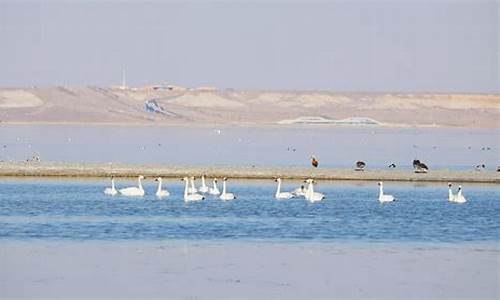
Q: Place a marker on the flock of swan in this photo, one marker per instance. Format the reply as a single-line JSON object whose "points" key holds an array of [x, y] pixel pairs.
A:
{"points": [[191, 193], [458, 197]]}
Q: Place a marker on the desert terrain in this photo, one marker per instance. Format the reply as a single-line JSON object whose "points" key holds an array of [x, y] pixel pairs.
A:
{"points": [[172, 105]]}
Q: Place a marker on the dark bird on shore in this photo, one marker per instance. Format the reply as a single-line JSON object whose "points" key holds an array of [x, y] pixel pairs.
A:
{"points": [[416, 162], [360, 166], [392, 166], [480, 167], [314, 161], [423, 166], [419, 166]]}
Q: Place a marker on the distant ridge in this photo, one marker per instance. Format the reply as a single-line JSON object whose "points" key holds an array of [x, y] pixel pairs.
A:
{"points": [[323, 120], [167, 104]]}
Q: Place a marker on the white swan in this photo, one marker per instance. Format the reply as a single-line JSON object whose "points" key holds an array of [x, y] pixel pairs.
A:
{"points": [[159, 192], [204, 187], [134, 191], [384, 198], [310, 195], [190, 197], [225, 195], [192, 189], [214, 190], [301, 191], [458, 198], [279, 194], [112, 190], [451, 197]]}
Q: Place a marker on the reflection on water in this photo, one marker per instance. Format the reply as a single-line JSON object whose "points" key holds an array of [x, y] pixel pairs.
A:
{"points": [[78, 210], [273, 145]]}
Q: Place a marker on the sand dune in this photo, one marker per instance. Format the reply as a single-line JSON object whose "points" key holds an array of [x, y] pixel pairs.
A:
{"points": [[205, 99], [18, 99], [112, 105], [461, 102]]}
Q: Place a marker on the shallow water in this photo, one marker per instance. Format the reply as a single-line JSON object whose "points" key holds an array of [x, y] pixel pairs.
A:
{"points": [[34, 209], [237, 145]]}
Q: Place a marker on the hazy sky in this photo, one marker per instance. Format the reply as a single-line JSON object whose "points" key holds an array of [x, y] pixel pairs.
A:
{"points": [[338, 45]]}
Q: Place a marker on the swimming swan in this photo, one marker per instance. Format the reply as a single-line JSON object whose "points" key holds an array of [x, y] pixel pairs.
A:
{"points": [[190, 197], [204, 187], [225, 195], [384, 198], [214, 190], [134, 191], [301, 191], [159, 192], [112, 190], [310, 195], [451, 197], [458, 198], [192, 189], [279, 194]]}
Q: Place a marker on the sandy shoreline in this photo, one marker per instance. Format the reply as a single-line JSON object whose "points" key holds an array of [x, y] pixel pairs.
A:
{"points": [[240, 172], [247, 271]]}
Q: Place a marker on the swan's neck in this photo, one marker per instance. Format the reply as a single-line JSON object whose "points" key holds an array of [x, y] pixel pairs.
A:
{"points": [[186, 189], [279, 188], [139, 183], [224, 187], [381, 191], [450, 193], [192, 184], [215, 185], [310, 190], [159, 186], [112, 183], [459, 194], [203, 181]]}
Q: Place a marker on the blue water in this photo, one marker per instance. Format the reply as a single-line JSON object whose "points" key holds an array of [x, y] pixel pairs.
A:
{"points": [[55, 209]]}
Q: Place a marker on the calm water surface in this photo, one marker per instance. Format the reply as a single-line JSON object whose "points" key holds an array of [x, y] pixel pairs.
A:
{"points": [[43, 209]]}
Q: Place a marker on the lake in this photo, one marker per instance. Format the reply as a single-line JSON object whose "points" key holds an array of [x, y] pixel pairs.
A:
{"points": [[77, 210]]}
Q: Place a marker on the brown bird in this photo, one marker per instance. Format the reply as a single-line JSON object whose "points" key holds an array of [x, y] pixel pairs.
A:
{"points": [[314, 161]]}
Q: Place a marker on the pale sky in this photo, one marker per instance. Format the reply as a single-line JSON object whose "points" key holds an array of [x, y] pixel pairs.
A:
{"points": [[407, 46]]}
